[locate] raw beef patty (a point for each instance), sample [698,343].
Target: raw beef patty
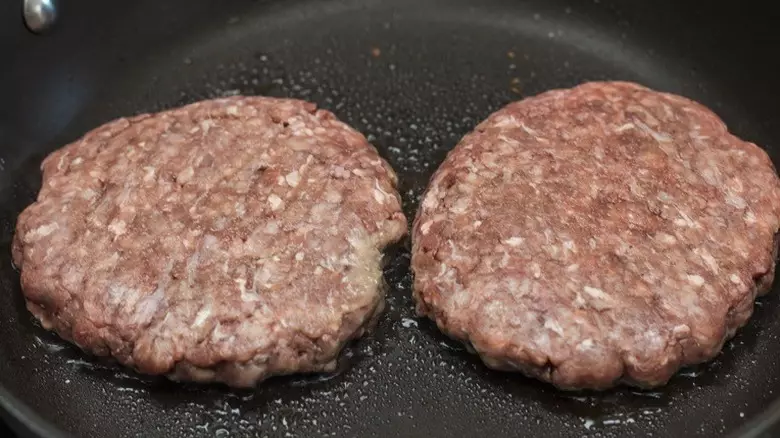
[597,235]
[227,240]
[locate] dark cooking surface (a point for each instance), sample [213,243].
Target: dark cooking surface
[414,77]
[4,430]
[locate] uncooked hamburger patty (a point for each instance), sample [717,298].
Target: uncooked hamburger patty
[228,240]
[597,235]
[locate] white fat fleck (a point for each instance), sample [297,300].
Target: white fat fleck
[145,308]
[653,338]
[318,270]
[88,194]
[736,201]
[460,206]
[232,110]
[425,227]
[573,268]
[592,243]
[251,295]
[504,260]
[750,217]
[118,227]
[299,256]
[209,241]
[506,121]
[271,227]
[514,241]
[240,209]
[333,196]
[586,344]
[579,301]
[708,259]
[185,175]
[280,180]
[107,263]
[736,185]
[664,197]
[684,220]
[524,288]
[200,318]
[660,137]
[625,127]
[696,280]
[61,162]
[293,178]
[477,224]
[330,264]
[378,196]
[76,161]
[569,246]
[635,188]
[536,270]
[681,330]
[735,279]
[710,175]
[149,175]
[275,202]
[553,325]
[595,292]
[431,201]
[42,231]
[194,130]
[528,130]
[206,125]
[192,266]
[264,274]
[665,238]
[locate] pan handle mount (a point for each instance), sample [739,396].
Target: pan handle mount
[39,15]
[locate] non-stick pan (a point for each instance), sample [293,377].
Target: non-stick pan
[413,76]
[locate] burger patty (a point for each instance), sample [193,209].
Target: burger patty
[227,240]
[597,235]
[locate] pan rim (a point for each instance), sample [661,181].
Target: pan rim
[764,422]
[38,427]
[34,425]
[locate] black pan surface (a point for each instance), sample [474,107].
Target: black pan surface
[413,76]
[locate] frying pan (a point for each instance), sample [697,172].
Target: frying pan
[413,76]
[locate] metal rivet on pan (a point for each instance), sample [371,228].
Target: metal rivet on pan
[39,15]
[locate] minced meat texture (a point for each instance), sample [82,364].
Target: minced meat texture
[227,240]
[596,235]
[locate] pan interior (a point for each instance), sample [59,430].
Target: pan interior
[413,77]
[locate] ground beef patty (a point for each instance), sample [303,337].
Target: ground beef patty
[601,234]
[228,240]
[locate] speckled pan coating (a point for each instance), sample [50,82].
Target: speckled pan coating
[602,234]
[227,240]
